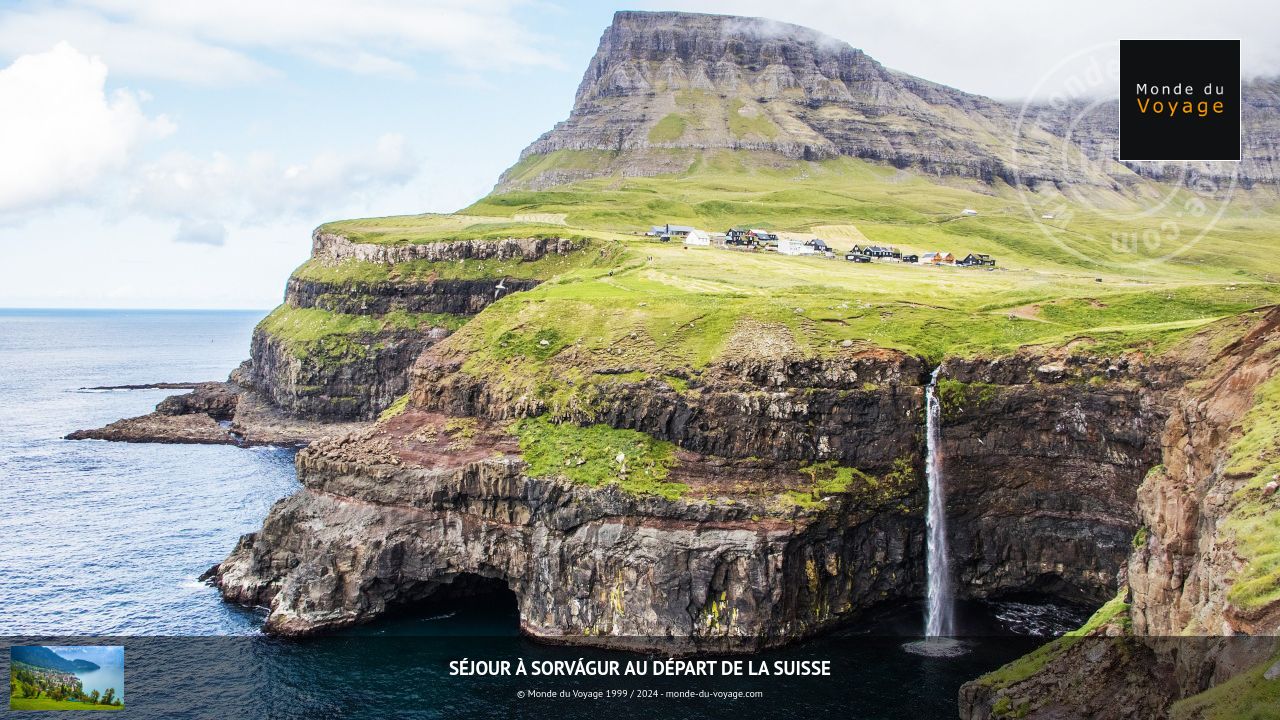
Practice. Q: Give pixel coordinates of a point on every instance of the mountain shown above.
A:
(43, 657)
(665, 88)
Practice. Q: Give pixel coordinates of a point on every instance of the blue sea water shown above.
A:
(106, 540)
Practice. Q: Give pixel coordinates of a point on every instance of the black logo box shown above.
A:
(1185, 68)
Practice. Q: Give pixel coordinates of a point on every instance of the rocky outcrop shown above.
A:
(1180, 635)
(861, 409)
(355, 375)
(454, 297)
(217, 400)
(334, 248)
(394, 516)
(351, 379)
(216, 413)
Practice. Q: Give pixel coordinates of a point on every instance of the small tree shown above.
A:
(106, 697)
(93, 697)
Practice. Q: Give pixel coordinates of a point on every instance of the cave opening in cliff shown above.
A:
(487, 603)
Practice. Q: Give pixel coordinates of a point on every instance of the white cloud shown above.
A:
(129, 48)
(60, 133)
(261, 188)
(200, 41)
(64, 138)
(200, 232)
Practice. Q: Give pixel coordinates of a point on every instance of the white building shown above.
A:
(794, 246)
(697, 237)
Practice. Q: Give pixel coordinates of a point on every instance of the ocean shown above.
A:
(104, 542)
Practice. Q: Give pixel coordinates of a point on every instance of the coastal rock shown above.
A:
(218, 414)
(1180, 633)
(384, 522)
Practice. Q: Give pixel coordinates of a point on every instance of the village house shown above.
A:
(740, 235)
(666, 232)
(877, 251)
(697, 237)
(821, 247)
(973, 259)
(937, 258)
(794, 246)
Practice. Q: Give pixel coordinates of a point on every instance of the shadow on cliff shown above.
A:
(471, 605)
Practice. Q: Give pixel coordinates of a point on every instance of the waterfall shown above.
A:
(938, 617)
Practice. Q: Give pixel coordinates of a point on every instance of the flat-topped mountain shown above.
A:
(664, 86)
(669, 81)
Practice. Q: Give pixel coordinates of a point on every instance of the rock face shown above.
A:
(1043, 457)
(389, 518)
(665, 82)
(332, 248)
(357, 375)
(862, 409)
(356, 383)
(1094, 127)
(396, 515)
(1181, 634)
(455, 297)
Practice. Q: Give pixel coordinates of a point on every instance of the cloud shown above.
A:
(214, 43)
(198, 232)
(260, 188)
(60, 133)
(129, 48)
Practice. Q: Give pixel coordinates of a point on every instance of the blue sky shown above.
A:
(177, 153)
(104, 655)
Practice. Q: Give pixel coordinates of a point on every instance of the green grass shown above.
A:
(330, 339)
(602, 254)
(830, 478)
(399, 406)
(44, 703)
(668, 129)
(430, 228)
(306, 325)
(1252, 522)
(1028, 665)
(955, 396)
(744, 126)
(590, 456)
(1247, 696)
(665, 310)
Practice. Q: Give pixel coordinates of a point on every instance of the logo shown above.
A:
(1180, 100)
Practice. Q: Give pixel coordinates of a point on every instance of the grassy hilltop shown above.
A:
(629, 301)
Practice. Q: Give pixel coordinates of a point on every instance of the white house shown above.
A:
(968, 211)
(697, 237)
(794, 246)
